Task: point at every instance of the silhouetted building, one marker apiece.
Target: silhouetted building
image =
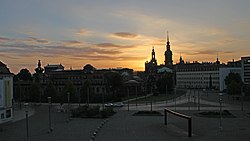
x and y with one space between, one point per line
151 67
6 94
168 53
55 67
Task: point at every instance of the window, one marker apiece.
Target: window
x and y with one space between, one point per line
2 116
8 113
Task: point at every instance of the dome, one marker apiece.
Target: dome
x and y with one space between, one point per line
164 69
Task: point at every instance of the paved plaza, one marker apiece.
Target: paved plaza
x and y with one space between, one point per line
123 126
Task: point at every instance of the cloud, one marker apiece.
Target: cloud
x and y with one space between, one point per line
3 39
125 35
83 32
111 45
72 43
39 40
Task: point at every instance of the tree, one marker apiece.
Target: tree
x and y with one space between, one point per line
234 88
247 90
234 83
233 77
24 75
71 89
85 92
114 81
34 94
165 80
50 91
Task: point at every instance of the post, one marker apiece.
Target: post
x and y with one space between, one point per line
166 93
103 101
189 98
136 95
79 99
165 117
128 98
88 95
242 97
220 100
190 127
198 99
68 94
26 105
175 98
50 127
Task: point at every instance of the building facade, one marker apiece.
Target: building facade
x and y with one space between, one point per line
197 75
6 94
245 67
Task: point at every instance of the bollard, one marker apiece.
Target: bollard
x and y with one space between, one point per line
190 127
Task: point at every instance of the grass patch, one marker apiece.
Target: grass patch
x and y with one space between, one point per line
215 114
92 112
147 113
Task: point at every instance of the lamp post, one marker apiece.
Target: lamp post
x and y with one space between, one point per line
220 101
68 94
166 93
102 100
26 105
50 127
242 94
128 98
198 99
189 98
175 98
136 95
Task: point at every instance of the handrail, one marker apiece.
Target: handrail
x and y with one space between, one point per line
189 118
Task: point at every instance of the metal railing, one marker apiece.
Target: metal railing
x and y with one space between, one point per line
189 118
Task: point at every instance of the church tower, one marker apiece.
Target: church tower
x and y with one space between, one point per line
168 53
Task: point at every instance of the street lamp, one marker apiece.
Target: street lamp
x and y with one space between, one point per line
220 101
26 106
50 127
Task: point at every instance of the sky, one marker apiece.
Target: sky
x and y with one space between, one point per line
121 33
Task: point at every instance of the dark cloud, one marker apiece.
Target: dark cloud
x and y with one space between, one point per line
111 45
125 35
72 43
39 40
3 39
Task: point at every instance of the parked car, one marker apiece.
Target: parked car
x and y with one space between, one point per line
108 105
118 104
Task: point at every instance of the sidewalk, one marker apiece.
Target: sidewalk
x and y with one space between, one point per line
19 114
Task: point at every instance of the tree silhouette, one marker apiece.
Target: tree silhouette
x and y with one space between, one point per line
24 75
50 91
114 81
71 89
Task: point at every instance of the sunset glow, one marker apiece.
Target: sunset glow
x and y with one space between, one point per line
110 34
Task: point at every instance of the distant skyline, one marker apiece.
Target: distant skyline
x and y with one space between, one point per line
116 33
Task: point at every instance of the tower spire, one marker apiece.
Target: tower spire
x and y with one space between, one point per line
167 37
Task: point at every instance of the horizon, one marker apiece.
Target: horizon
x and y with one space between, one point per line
112 34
